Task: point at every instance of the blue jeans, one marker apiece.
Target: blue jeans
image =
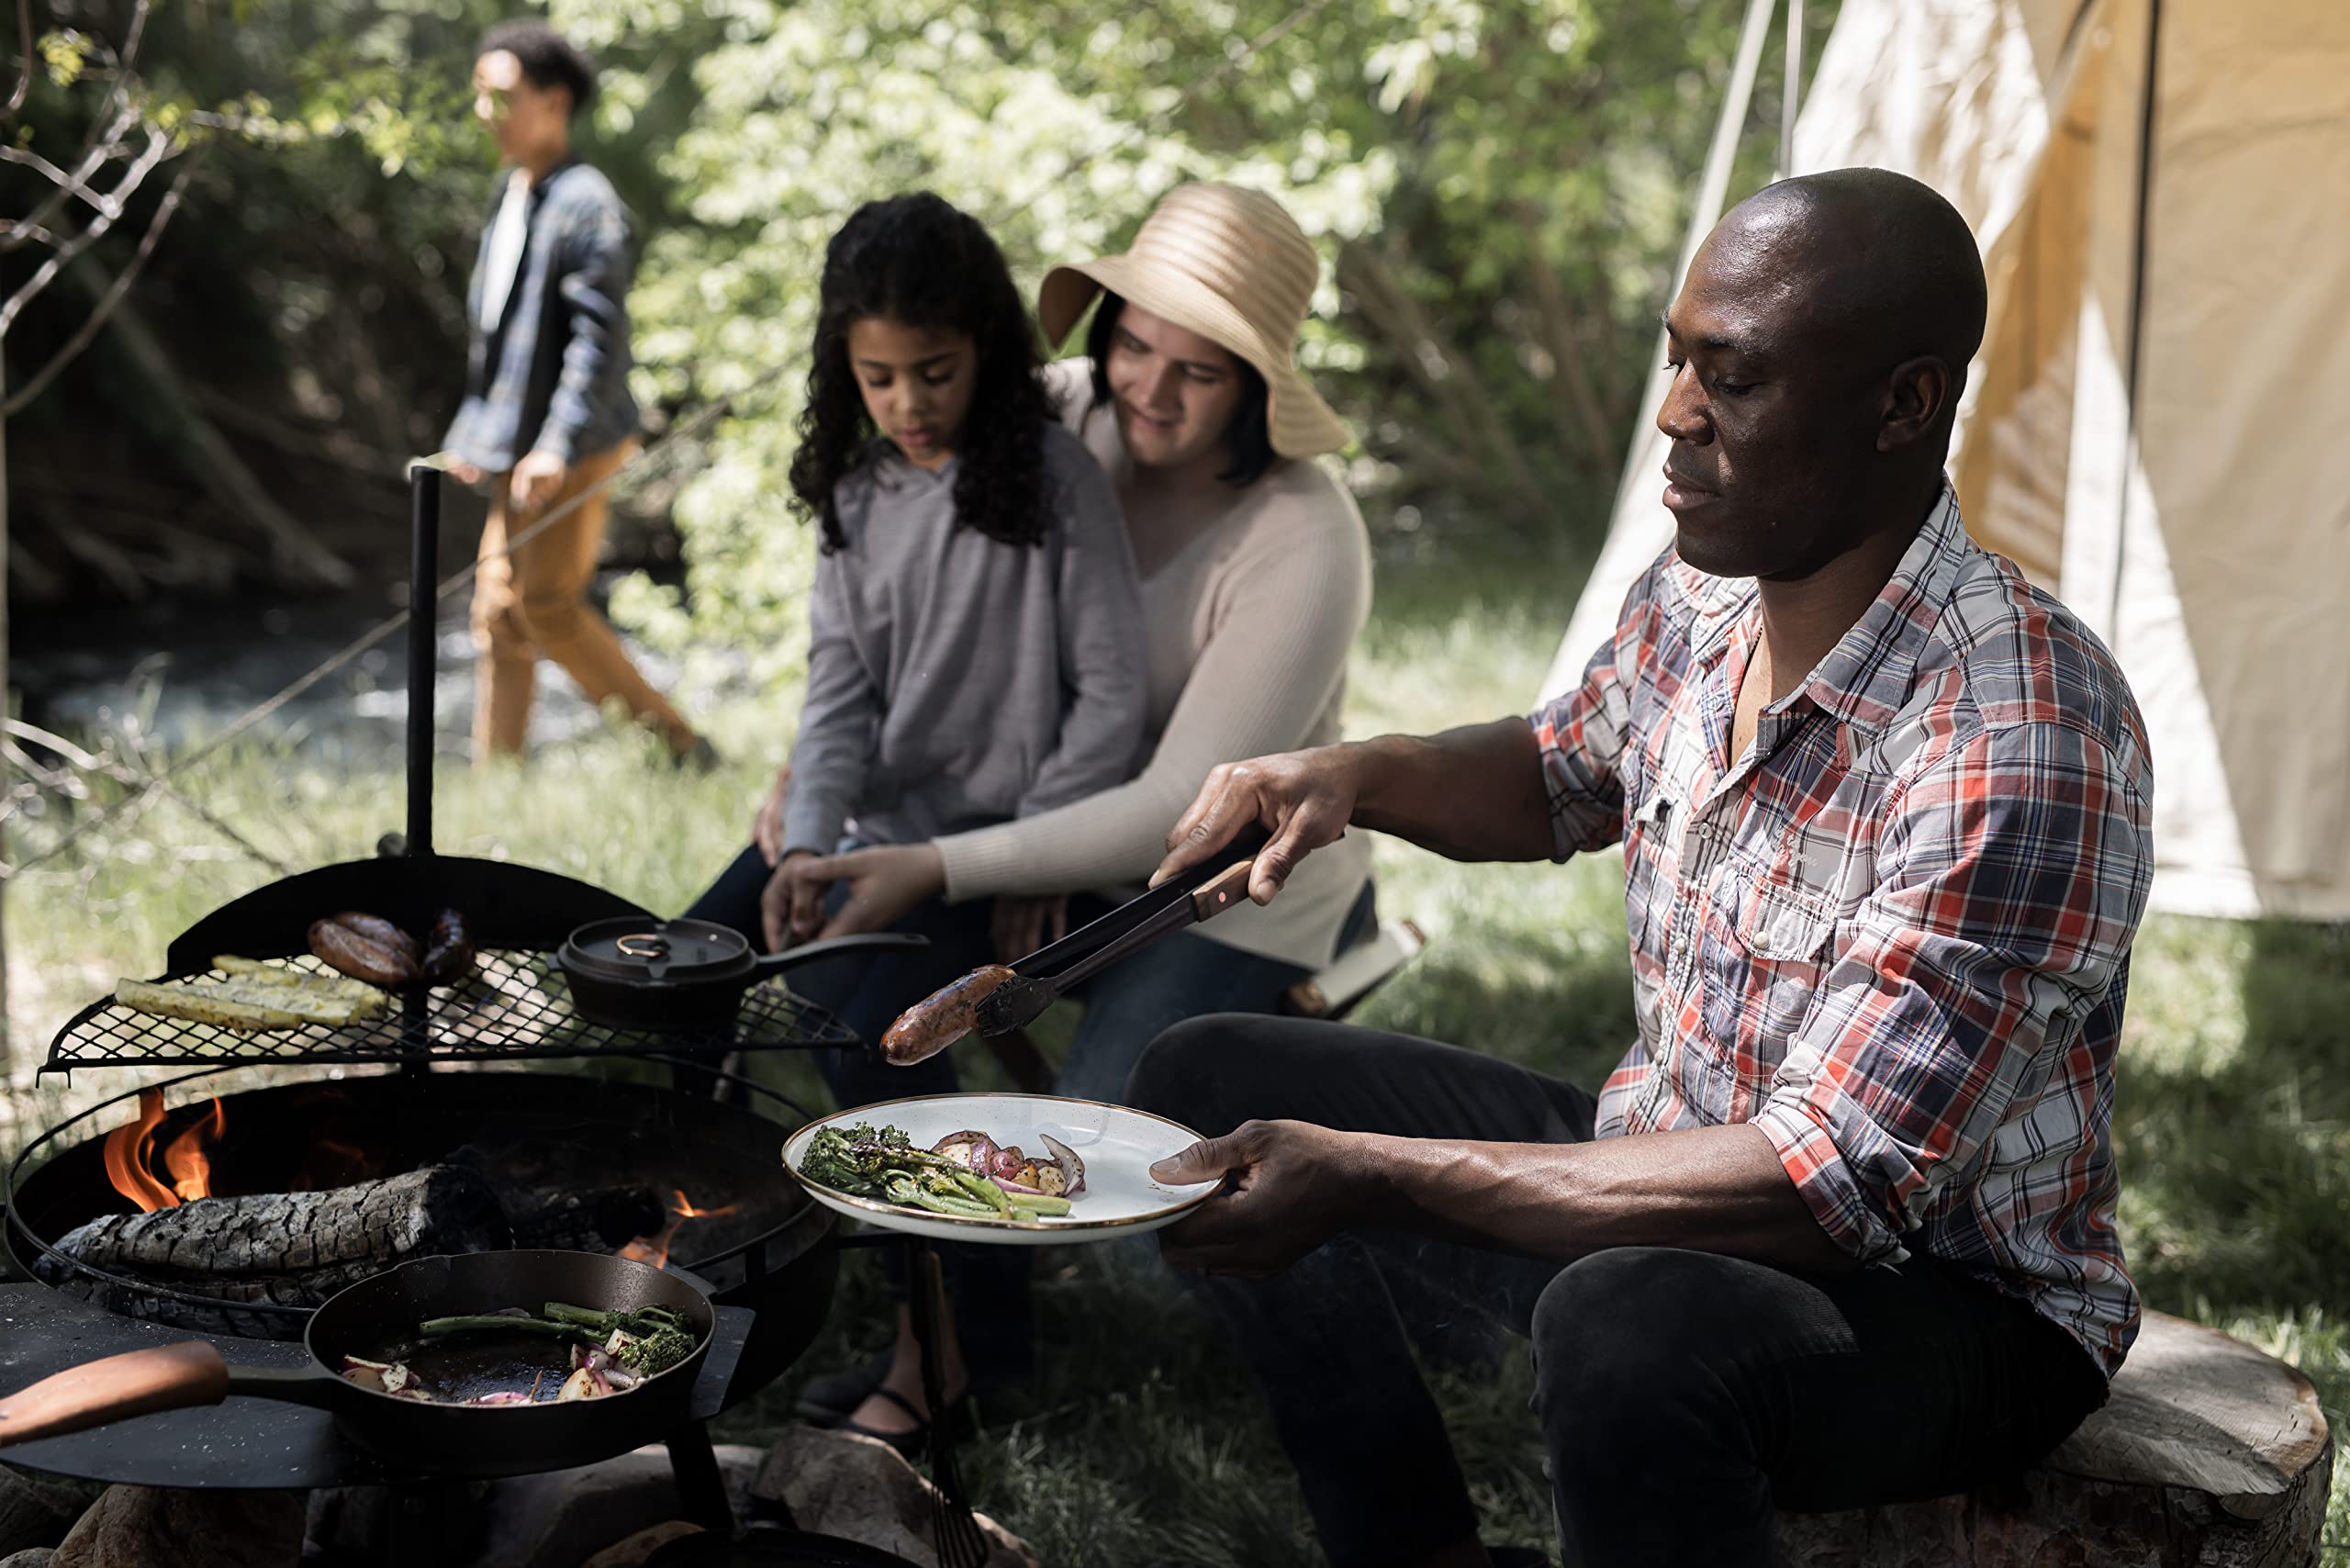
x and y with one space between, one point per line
1125 1007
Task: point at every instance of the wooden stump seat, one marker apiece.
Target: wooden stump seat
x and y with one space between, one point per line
2208 1455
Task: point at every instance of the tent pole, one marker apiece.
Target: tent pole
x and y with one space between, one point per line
1791 88
1712 189
2134 362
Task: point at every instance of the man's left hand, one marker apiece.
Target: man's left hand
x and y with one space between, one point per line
1294 1185
537 479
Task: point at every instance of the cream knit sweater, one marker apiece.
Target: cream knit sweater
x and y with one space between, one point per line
1249 615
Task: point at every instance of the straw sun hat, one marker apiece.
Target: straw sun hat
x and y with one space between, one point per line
1233 266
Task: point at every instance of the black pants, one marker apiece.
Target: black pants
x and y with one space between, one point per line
1683 1396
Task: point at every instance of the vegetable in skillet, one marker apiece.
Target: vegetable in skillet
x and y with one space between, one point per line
611 1351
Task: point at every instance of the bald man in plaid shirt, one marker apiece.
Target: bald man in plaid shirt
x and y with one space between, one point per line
1838 1229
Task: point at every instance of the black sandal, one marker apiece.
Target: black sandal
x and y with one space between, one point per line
914 1442
829 1400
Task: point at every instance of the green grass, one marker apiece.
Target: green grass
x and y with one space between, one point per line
1140 1441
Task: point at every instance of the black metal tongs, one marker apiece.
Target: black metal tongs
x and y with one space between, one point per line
1199 893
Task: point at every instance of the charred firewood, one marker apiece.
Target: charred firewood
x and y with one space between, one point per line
281 1248
560 1193
602 1221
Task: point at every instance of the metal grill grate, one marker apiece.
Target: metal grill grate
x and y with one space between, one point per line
514 1006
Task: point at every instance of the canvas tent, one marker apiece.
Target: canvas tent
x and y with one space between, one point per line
2155 428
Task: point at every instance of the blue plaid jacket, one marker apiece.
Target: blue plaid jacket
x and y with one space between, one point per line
552 374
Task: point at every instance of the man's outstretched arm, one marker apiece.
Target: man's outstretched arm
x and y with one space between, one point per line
1474 794
1719 1189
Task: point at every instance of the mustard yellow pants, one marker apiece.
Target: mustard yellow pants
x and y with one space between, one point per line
533 603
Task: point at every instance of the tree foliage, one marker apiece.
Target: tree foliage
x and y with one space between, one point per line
1498 187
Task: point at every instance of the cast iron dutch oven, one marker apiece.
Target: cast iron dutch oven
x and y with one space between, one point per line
376 1320
685 975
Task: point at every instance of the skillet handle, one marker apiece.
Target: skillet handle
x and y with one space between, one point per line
293 1386
811 952
97 1394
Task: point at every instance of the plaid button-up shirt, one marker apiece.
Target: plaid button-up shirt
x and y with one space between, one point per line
1895 933
552 375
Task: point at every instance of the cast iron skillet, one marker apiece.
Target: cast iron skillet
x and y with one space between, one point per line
630 972
365 1319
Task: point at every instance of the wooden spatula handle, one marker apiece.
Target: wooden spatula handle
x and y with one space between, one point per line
1226 888
169 1377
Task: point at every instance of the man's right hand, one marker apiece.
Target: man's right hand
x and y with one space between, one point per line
465 474
766 828
1291 1187
1303 798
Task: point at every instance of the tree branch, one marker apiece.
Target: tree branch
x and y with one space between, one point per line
1444 459
103 145
334 446
214 463
1399 319
129 56
146 778
70 185
32 231
97 319
1600 439
52 173
24 73
158 146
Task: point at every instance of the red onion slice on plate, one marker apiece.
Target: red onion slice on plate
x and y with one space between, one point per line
1071 1166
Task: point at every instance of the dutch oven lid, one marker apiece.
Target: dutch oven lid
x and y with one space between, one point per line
634 949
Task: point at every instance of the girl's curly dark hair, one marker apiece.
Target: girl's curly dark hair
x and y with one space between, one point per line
917 260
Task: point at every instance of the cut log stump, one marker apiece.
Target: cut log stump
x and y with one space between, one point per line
2208 1455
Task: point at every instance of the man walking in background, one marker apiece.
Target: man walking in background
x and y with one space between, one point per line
547 414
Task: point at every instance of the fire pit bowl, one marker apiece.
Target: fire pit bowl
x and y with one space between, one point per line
734 1217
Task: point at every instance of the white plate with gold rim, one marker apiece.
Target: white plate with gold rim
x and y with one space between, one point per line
1118 1145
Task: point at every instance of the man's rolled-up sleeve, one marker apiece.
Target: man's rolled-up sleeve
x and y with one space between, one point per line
2012 879
1582 731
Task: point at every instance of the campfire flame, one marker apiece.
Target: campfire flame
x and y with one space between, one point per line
191 1172
129 1148
655 1249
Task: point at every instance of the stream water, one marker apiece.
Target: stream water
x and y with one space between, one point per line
185 667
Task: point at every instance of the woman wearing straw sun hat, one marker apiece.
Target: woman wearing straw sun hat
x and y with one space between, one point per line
1255 579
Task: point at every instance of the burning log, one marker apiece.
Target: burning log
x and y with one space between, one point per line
281 1248
561 1194
602 1221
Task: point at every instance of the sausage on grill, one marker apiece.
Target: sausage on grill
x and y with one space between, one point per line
345 950
382 932
452 954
